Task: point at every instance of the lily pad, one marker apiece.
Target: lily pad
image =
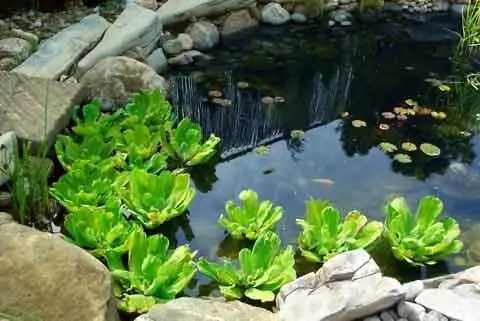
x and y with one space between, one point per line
345 114
387 147
430 149
262 150
383 127
409 147
411 102
402 158
297 134
388 115
359 123
444 87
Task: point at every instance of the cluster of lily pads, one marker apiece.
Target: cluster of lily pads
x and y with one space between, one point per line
410 108
127 173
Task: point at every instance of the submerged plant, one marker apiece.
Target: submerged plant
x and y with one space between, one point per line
154 274
85 185
184 143
103 231
155 199
419 239
262 271
324 235
252 219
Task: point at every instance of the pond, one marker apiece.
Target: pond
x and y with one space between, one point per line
316 78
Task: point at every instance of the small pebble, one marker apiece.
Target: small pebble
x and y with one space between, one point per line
372 318
242 84
412 289
215 93
268 100
411 311
279 99
387 316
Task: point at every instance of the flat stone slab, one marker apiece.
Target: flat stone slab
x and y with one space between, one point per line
58 54
27 102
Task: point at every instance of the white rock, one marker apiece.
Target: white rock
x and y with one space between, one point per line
350 286
204 34
186 41
8 146
30 37
172 47
157 60
57 54
274 14
17 48
372 318
435 316
181 10
115 79
237 22
410 311
450 304
387 316
412 289
136 26
298 17
186 58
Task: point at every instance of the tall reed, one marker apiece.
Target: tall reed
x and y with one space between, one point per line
470 37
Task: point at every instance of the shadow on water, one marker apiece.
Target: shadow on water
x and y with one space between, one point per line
279 80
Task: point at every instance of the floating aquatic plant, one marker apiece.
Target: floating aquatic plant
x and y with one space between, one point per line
409 147
402 158
215 93
388 115
297 134
243 84
279 99
387 147
402 117
359 123
267 100
411 102
383 127
345 114
262 150
430 149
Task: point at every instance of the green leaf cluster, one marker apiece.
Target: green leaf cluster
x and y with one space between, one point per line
154 274
252 218
420 239
323 234
262 270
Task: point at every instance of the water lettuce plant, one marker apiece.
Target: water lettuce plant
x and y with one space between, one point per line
262 271
419 239
149 108
103 231
90 121
92 149
251 219
155 274
323 235
85 185
184 143
155 199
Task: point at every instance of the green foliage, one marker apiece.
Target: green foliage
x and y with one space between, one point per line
89 121
420 239
263 270
252 219
154 273
470 37
184 143
315 8
370 4
155 199
28 186
103 231
324 236
148 108
85 185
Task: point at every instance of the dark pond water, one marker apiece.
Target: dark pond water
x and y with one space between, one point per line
320 77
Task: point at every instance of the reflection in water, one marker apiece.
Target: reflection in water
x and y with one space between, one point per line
365 75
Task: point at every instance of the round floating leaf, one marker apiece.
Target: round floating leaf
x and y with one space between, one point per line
297 134
387 147
409 147
262 150
359 123
388 115
430 149
402 158
383 127
411 102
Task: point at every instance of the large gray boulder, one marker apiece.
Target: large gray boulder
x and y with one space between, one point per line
135 27
348 287
43 275
115 79
206 309
58 54
181 10
204 34
237 22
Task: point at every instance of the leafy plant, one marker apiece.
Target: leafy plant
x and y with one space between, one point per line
252 218
90 121
262 272
85 185
370 4
184 143
155 199
420 239
324 236
149 108
103 231
470 37
154 273
91 149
